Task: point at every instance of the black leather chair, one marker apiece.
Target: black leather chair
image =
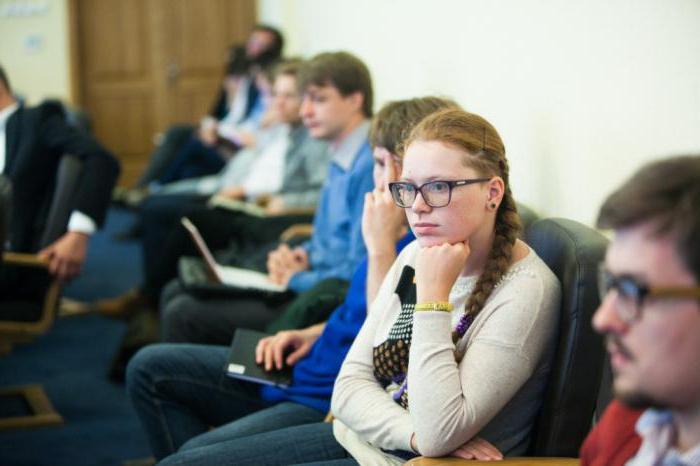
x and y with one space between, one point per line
527 216
32 318
572 251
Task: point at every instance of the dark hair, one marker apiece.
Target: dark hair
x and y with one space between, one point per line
486 154
238 63
275 51
342 70
4 80
666 192
395 120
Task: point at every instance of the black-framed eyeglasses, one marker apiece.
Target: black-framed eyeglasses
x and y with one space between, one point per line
436 193
631 294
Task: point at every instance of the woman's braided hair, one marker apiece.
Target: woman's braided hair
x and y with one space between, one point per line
486 155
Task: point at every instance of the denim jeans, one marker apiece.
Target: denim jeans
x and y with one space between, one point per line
298 444
180 391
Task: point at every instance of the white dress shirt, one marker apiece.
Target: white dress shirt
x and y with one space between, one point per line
5 115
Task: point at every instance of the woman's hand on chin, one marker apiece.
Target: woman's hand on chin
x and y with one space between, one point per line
437 269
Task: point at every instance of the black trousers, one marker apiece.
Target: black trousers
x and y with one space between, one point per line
244 238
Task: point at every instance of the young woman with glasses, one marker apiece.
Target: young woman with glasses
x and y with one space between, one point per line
459 340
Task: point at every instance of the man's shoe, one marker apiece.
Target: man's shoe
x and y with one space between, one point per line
135 196
124 306
142 330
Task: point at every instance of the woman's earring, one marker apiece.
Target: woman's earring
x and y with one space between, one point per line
493 205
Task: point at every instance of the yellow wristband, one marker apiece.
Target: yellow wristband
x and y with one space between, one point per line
443 306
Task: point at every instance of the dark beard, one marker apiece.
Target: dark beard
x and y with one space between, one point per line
637 400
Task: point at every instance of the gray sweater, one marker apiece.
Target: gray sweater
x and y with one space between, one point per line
494 392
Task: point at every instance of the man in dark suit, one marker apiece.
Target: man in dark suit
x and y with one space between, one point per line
32 142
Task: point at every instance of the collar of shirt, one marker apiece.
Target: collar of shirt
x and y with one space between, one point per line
657 430
5 115
344 153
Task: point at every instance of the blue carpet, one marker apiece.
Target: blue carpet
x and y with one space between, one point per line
71 362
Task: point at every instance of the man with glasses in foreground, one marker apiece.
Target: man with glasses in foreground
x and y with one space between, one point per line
650 316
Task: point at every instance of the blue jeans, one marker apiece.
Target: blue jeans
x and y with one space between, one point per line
180 391
299 444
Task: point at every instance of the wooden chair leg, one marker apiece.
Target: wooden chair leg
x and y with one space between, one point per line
43 413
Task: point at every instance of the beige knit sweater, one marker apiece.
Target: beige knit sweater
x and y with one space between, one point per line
494 392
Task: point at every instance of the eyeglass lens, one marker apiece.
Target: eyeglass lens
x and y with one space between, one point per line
629 293
435 193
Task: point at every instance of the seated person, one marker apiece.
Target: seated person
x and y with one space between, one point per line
317 352
34 140
335 108
238 101
216 142
650 316
286 161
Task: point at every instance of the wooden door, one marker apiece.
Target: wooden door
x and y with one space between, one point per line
142 65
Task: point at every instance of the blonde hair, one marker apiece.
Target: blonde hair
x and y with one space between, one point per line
486 154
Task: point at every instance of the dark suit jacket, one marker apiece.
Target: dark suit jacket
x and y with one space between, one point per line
36 139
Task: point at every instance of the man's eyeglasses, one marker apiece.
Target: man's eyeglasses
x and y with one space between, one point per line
631 294
435 193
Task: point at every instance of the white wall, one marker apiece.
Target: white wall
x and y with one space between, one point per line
581 92
34 47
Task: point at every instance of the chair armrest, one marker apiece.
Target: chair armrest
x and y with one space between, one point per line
300 229
531 461
25 259
294 211
15 331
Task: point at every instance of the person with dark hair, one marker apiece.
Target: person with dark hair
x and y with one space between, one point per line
217 140
650 316
239 106
315 352
265 44
32 142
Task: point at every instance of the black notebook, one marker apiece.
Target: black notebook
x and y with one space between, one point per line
241 361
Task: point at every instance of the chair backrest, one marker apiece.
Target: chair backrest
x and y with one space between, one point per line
572 251
5 203
527 216
61 204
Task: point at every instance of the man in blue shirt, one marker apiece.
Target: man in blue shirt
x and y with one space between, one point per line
336 105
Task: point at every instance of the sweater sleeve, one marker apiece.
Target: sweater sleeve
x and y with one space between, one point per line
451 403
358 399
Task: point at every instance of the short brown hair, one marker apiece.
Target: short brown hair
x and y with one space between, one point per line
396 119
667 192
342 70
289 67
